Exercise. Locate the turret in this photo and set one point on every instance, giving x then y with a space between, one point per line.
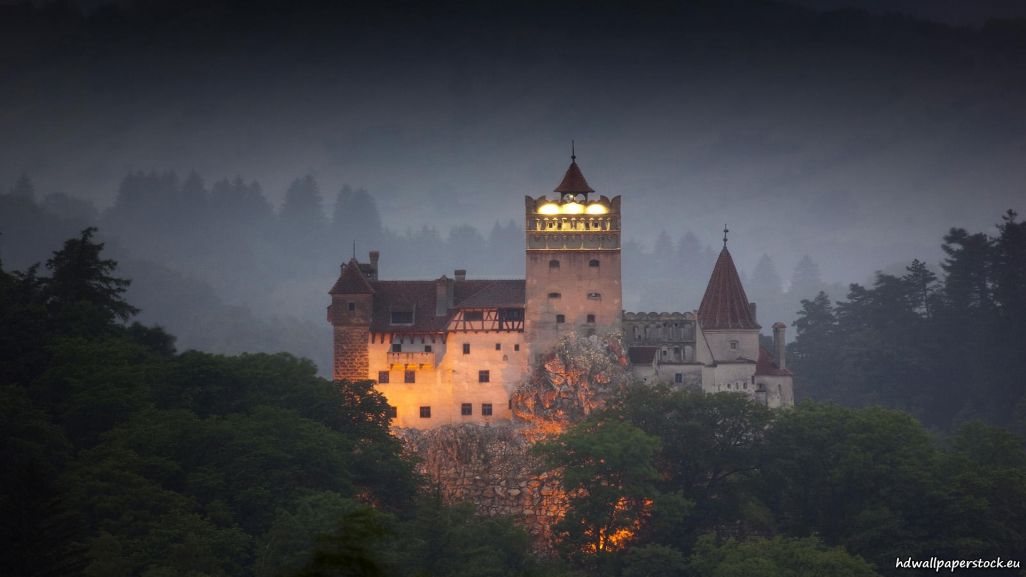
350 313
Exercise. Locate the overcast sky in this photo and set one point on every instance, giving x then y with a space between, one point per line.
858 139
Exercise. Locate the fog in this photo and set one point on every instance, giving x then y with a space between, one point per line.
839 142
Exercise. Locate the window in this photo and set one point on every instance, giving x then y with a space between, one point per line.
427 348
410 377
595 296
593 263
351 306
466 348
425 412
486 409
511 315
498 346
473 315
509 404
516 347
382 377
560 318
402 317
393 412
591 318
397 347
733 345
678 378
665 352
553 263
466 409
555 295
483 376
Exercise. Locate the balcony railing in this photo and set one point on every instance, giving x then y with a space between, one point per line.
414 358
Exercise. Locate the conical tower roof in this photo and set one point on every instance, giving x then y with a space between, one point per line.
725 304
573 181
351 281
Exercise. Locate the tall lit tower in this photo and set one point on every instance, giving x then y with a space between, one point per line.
573 262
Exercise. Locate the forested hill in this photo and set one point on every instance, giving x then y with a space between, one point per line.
947 348
122 456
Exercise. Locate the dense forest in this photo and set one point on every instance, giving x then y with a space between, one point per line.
224 271
946 348
124 456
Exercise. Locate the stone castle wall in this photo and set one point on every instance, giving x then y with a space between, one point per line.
350 353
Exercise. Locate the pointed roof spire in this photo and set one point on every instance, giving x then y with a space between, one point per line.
351 280
573 181
725 304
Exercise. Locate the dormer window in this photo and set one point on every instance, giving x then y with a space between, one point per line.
401 317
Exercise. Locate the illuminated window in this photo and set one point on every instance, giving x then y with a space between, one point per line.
553 263
466 409
425 412
393 412
410 376
382 377
560 318
593 263
591 318
486 409
483 376
466 348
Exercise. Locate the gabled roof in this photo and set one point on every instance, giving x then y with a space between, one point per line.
492 294
725 305
420 297
573 181
767 365
351 281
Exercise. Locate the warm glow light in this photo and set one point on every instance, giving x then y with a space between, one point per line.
596 208
549 208
572 208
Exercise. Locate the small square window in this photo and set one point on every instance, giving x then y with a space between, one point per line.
483 376
397 347
466 348
678 378
486 409
351 306
553 263
594 263
466 409
733 345
382 377
425 412
560 318
591 318
516 347
427 348
410 376
498 346
393 412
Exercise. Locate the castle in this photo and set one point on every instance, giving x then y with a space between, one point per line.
452 350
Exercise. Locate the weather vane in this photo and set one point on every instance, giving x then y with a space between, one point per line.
573 154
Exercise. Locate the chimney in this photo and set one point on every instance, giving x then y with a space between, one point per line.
443 296
374 256
780 344
461 274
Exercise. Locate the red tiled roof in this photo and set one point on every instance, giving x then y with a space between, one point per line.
642 355
351 281
725 305
573 181
767 365
420 297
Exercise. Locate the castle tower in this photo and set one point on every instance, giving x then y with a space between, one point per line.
573 263
726 316
350 312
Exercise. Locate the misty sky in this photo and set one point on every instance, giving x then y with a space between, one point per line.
857 139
